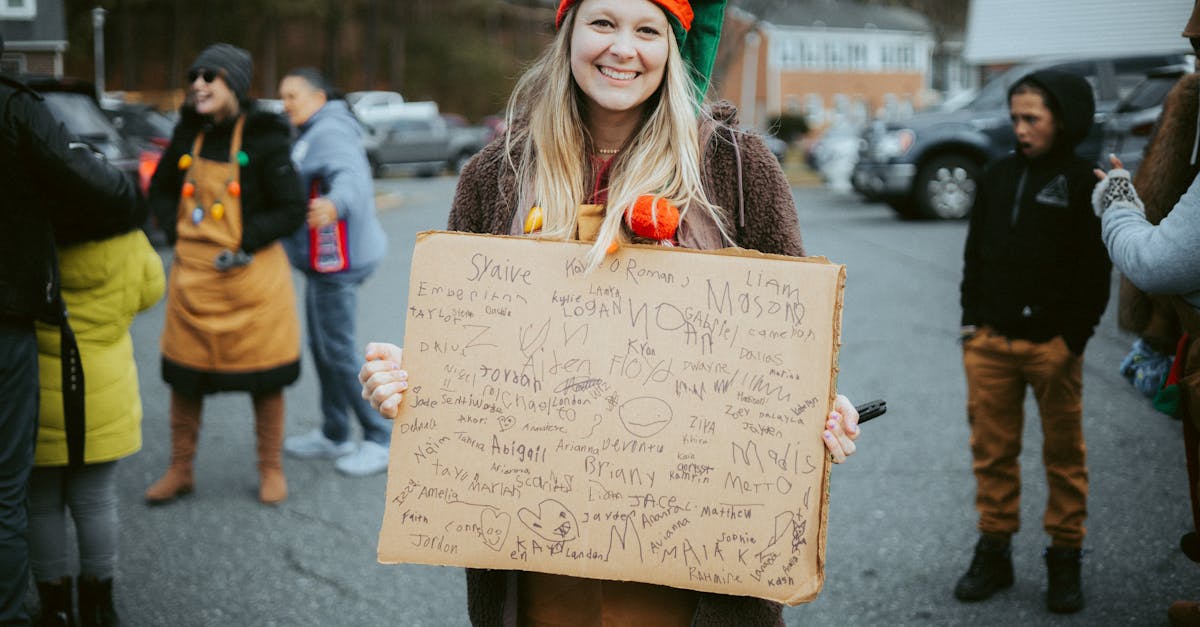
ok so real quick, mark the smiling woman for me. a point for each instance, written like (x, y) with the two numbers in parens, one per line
(611, 118)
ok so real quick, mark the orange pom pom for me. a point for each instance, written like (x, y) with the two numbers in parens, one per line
(653, 218)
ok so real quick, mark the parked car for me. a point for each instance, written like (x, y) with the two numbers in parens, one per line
(373, 107)
(422, 141)
(146, 128)
(1128, 130)
(928, 165)
(834, 154)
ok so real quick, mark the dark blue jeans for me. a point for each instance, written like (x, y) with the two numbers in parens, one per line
(331, 305)
(18, 434)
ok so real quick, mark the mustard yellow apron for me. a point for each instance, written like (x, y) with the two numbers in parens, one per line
(238, 321)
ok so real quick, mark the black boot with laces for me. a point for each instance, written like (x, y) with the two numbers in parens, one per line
(1064, 594)
(991, 570)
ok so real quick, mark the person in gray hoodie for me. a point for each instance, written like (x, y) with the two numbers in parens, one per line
(337, 250)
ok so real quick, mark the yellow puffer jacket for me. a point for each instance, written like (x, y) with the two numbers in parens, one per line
(104, 285)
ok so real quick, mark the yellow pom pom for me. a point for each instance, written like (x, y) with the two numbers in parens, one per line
(218, 211)
(533, 221)
(185, 162)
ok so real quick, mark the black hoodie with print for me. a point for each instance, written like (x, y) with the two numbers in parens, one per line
(1035, 266)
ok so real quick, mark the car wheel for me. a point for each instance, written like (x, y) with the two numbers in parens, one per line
(945, 188)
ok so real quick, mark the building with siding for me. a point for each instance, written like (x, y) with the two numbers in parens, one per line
(1006, 32)
(831, 59)
(35, 36)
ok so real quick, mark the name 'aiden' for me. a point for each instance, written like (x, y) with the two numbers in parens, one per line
(483, 266)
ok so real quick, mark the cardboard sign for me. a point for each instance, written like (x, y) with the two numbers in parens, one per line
(658, 419)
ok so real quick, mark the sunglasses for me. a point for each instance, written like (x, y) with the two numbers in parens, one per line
(208, 75)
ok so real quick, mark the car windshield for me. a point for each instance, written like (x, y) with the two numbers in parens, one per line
(79, 114)
(1149, 93)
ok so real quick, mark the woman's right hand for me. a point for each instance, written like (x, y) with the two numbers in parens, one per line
(383, 382)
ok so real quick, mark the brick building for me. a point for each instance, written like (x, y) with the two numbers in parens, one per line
(35, 36)
(832, 60)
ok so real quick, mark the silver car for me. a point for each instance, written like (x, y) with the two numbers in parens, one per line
(1129, 129)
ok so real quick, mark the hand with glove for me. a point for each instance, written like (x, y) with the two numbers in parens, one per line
(1115, 188)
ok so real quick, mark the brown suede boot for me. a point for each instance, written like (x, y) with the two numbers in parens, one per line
(268, 415)
(185, 430)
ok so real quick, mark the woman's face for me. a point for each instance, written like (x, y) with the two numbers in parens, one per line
(300, 99)
(211, 94)
(619, 52)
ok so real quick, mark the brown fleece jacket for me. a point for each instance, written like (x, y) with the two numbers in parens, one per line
(1165, 174)
(763, 218)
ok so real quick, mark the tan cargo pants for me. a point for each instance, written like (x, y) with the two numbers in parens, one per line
(998, 371)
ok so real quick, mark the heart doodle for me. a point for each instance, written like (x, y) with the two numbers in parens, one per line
(552, 521)
(494, 525)
(506, 423)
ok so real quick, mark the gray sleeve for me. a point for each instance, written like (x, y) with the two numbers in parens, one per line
(1161, 259)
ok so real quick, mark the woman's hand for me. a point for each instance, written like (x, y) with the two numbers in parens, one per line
(841, 430)
(1115, 187)
(383, 382)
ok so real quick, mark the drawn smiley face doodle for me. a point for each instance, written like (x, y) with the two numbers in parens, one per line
(552, 521)
(493, 525)
(645, 416)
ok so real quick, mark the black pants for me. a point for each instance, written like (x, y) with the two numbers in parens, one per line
(18, 434)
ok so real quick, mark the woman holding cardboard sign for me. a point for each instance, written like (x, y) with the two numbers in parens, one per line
(611, 116)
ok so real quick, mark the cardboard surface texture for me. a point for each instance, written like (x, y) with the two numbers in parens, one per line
(656, 420)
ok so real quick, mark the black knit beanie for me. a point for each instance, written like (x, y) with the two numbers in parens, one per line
(234, 62)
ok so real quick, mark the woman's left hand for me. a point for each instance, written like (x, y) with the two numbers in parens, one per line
(841, 430)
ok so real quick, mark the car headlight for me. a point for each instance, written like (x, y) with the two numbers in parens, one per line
(894, 144)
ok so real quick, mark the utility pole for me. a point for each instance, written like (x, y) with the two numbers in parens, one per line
(98, 14)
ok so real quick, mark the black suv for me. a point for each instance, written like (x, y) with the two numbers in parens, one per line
(926, 166)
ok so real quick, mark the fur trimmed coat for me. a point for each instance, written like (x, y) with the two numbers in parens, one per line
(757, 200)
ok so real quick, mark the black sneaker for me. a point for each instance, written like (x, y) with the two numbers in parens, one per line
(1064, 594)
(991, 570)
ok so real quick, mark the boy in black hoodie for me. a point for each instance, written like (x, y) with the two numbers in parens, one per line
(1035, 282)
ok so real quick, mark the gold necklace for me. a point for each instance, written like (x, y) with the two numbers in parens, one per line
(607, 151)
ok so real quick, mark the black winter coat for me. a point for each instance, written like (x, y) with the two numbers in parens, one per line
(274, 203)
(52, 188)
(1046, 272)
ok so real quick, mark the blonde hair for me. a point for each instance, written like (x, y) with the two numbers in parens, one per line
(662, 158)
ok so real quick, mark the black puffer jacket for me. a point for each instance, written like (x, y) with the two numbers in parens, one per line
(1046, 273)
(273, 200)
(49, 188)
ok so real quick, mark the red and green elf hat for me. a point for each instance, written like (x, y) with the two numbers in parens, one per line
(697, 26)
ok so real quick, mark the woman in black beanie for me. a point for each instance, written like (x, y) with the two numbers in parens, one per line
(225, 192)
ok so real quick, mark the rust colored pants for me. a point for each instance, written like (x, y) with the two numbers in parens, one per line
(998, 371)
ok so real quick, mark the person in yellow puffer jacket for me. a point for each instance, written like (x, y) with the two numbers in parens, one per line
(105, 284)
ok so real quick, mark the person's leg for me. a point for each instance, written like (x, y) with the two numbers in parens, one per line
(1057, 378)
(92, 498)
(18, 432)
(995, 407)
(345, 359)
(48, 544)
(995, 395)
(185, 431)
(332, 438)
(268, 418)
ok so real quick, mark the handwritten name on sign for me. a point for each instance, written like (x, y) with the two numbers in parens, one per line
(658, 419)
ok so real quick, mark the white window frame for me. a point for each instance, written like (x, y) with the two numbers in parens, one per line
(27, 10)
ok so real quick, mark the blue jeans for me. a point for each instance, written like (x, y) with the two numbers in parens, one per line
(18, 434)
(331, 305)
